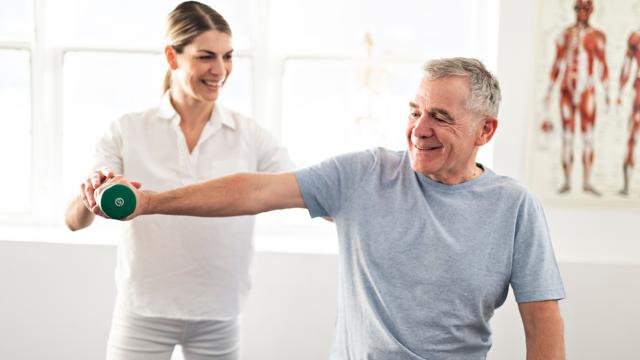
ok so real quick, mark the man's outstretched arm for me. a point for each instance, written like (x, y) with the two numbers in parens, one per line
(238, 194)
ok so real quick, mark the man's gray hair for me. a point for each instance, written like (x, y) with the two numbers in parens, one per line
(484, 90)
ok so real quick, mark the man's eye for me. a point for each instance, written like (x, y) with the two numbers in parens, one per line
(414, 114)
(438, 117)
(228, 57)
(205, 57)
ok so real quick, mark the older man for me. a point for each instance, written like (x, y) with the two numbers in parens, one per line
(429, 240)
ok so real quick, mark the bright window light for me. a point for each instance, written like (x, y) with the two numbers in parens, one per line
(407, 28)
(333, 107)
(15, 139)
(16, 20)
(132, 24)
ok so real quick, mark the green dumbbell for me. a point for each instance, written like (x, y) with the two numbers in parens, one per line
(117, 201)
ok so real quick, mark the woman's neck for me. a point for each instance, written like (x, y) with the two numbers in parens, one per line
(192, 112)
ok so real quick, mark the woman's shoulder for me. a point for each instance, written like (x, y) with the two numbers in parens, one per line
(238, 118)
(144, 116)
(241, 123)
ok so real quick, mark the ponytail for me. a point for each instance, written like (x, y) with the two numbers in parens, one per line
(166, 84)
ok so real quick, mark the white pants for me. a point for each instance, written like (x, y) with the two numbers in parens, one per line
(135, 337)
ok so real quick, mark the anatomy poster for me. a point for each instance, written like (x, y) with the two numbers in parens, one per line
(586, 123)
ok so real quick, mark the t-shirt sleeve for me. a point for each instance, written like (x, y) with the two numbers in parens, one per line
(327, 186)
(108, 151)
(535, 275)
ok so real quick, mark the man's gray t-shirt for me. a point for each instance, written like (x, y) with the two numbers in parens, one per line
(423, 265)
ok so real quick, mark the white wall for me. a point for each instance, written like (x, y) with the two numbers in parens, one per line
(56, 302)
(56, 299)
(292, 308)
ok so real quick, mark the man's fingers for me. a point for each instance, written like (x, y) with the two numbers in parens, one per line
(136, 184)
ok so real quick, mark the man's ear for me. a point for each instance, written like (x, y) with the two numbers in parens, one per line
(488, 127)
(171, 56)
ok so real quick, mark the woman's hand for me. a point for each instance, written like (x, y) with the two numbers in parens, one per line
(88, 187)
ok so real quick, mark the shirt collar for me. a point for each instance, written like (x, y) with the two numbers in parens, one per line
(219, 115)
(224, 115)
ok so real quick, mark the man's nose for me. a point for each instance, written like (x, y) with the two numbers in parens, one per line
(423, 127)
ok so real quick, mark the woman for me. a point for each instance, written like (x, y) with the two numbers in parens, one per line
(182, 280)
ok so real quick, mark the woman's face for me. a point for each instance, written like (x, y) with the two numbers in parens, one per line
(200, 71)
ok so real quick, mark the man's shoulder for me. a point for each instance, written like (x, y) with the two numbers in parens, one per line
(387, 159)
(507, 186)
(376, 154)
(372, 160)
(385, 154)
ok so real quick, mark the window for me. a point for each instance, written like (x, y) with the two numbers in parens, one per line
(16, 22)
(16, 33)
(324, 77)
(15, 141)
(368, 109)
